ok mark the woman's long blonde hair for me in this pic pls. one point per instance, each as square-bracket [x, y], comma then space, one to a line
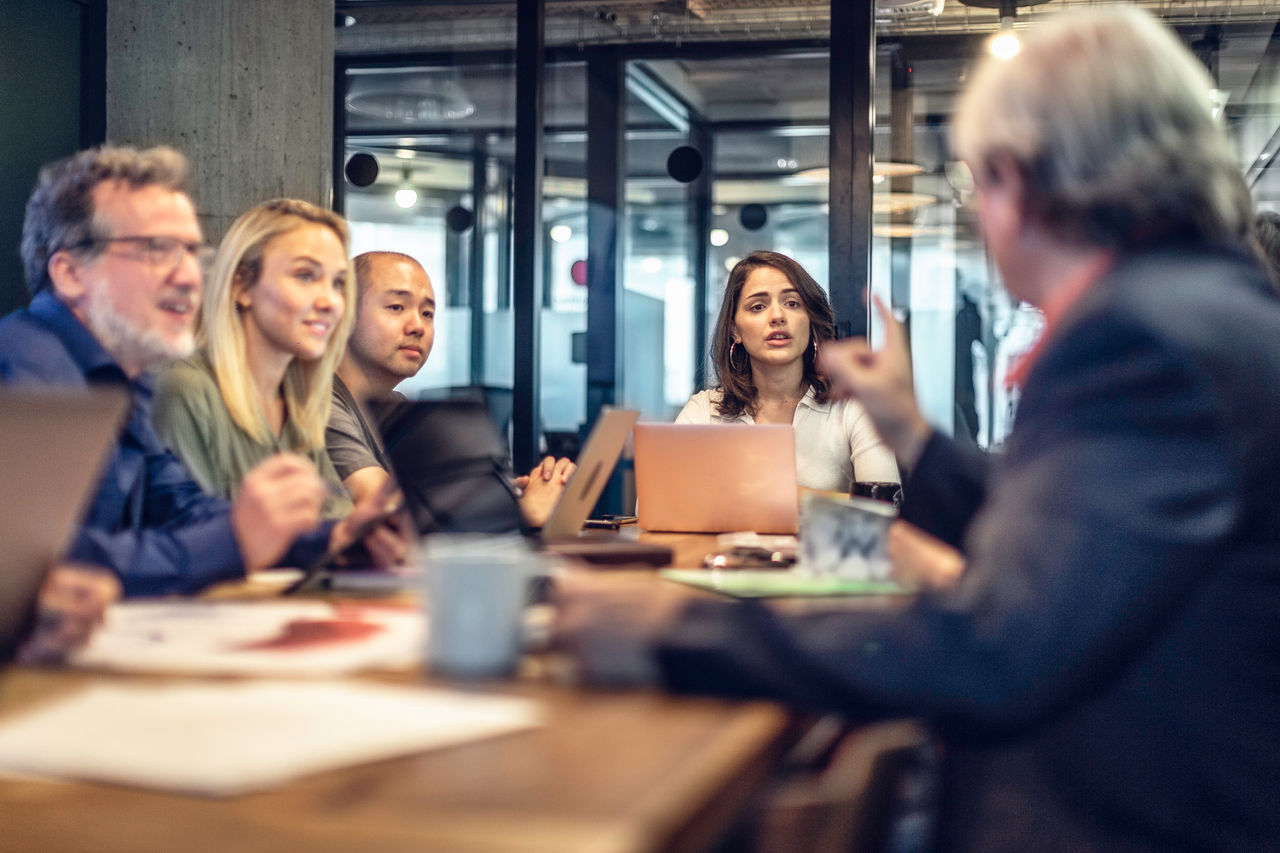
[307, 385]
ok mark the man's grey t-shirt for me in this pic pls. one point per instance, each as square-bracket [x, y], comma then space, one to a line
[350, 439]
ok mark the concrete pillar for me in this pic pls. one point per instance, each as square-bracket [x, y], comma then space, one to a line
[243, 87]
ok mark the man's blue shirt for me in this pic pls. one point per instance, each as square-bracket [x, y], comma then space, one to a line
[149, 521]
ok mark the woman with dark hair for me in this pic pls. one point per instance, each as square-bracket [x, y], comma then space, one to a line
[773, 320]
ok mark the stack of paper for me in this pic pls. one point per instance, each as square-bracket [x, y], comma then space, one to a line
[226, 739]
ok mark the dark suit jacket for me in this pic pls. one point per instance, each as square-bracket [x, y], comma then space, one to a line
[1107, 673]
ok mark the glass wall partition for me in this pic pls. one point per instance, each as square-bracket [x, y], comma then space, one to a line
[658, 277]
[427, 156]
[440, 190]
[755, 147]
[966, 332]
[430, 94]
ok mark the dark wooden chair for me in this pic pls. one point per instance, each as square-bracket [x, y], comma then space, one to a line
[845, 794]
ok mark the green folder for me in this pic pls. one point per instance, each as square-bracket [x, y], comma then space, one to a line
[778, 583]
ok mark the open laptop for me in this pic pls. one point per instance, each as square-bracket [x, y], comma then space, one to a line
[596, 462]
[52, 446]
[715, 478]
[562, 534]
[455, 470]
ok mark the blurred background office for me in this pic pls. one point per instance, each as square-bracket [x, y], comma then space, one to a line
[579, 176]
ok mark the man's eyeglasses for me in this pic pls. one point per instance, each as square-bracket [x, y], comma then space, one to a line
[160, 252]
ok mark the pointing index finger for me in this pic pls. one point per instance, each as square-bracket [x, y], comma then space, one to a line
[892, 328]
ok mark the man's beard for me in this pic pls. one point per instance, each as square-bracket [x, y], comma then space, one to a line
[145, 348]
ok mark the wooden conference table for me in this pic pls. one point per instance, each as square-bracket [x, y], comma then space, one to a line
[623, 771]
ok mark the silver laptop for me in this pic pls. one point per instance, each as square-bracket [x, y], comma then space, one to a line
[52, 447]
[715, 478]
[562, 534]
[595, 463]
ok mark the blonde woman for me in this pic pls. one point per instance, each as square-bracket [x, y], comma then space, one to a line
[274, 325]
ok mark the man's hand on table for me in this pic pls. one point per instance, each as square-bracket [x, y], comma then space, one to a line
[920, 561]
[71, 603]
[542, 488]
[380, 523]
[608, 625]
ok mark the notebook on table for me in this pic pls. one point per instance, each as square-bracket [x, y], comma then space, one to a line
[774, 583]
[52, 447]
[713, 478]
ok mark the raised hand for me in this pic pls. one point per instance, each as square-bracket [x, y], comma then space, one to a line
[881, 381]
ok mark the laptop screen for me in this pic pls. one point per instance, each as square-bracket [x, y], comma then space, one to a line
[453, 467]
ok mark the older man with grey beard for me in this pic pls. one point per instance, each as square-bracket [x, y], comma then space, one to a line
[112, 253]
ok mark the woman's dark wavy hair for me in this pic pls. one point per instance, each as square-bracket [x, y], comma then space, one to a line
[736, 384]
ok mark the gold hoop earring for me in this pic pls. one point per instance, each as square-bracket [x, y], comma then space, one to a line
[732, 349]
